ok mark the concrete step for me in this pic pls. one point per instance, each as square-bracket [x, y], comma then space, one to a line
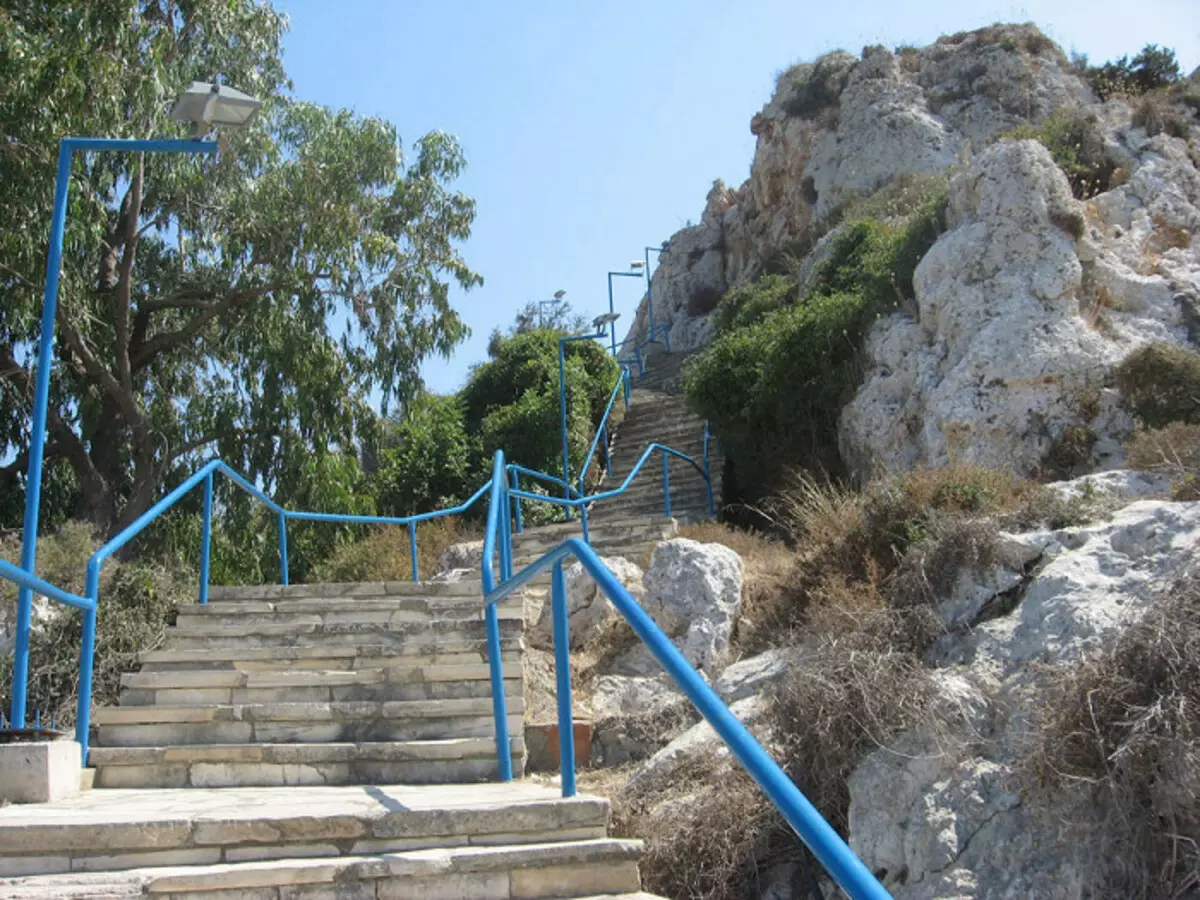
[456, 760]
[365, 612]
[299, 723]
[326, 657]
[429, 636]
[183, 687]
[364, 589]
[562, 869]
[116, 829]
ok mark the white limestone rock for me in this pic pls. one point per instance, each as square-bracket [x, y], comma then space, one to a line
[694, 593]
[941, 812]
[588, 609]
[753, 675]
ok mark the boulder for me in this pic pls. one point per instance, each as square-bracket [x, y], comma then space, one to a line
[940, 812]
[467, 555]
[588, 609]
[694, 593]
[755, 674]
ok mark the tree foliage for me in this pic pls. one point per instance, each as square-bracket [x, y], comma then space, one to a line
[245, 305]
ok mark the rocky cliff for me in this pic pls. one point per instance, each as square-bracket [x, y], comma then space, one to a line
[1044, 280]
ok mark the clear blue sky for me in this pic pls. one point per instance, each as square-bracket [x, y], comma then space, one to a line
[595, 128]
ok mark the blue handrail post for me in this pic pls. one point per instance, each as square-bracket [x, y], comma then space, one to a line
[625, 378]
[87, 661]
[604, 446]
[498, 501]
[516, 486]
[283, 553]
[206, 538]
[41, 391]
[412, 549]
[584, 521]
[562, 674]
[666, 486]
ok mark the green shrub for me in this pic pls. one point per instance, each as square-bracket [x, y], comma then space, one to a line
[433, 462]
[1076, 142]
[750, 302]
[817, 86]
[776, 377]
[1161, 382]
[1153, 68]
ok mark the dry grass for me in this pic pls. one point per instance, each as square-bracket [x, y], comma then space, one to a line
[1126, 723]
[1173, 451]
[710, 833]
[384, 554]
[900, 542]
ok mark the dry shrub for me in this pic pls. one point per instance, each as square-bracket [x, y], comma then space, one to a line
[1127, 722]
[1173, 451]
[709, 831]
[138, 601]
[901, 541]
[1157, 114]
[384, 554]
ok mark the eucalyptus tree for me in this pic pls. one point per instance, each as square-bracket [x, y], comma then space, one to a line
[247, 305]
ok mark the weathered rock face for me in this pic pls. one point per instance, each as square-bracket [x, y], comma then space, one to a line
[694, 593]
[1028, 301]
[1017, 325]
[841, 128]
[947, 817]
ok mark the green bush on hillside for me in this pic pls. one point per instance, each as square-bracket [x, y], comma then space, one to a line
[1162, 384]
[1153, 68]
[1076, 141]
[776, 377]
[432, 462]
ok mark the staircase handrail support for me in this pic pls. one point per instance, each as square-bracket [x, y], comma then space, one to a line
[826, 845]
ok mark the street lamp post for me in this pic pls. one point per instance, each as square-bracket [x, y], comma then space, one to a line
[634, 272]
[558, 295]
[650, 296]
[203, 105]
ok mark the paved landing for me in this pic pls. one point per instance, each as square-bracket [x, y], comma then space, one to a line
[100, 807]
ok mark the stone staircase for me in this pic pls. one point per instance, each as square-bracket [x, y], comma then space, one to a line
[658, 413]
[317, 742]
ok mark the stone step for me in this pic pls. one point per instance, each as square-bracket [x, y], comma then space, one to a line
[561, 869]
[456, 760]
[436, 607]
[426, 635]
[364, 589]
[326, 657]
[114, 829]
[301, 723]
[230, 612]
[184, 687]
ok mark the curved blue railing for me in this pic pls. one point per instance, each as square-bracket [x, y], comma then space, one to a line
[826, 845]
[89, 603]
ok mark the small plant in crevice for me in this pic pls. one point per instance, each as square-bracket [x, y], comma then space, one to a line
[1161, 383]
[1076, 142]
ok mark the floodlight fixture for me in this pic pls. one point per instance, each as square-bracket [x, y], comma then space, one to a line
[205, 105]
[636, 264]
[602, 322]
[558, 295]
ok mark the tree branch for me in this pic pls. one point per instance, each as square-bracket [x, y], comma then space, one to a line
[125, 280]
[168, 340]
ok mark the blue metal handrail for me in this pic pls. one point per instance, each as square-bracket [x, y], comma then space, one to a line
[515, 471]
[601, 438]
[582, 502]
[89, 603]
[826, 845]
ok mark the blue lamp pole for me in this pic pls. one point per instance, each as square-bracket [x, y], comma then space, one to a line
[33, 481]
[649, 297]
[633, 273]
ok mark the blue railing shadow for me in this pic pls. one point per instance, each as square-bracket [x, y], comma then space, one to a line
[826, 845]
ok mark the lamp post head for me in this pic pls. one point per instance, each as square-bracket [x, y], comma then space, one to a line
[558, 295]
[205, 105]
[602, 322]
[636, 264]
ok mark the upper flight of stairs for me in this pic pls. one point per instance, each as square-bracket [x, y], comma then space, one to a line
[658, 413]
